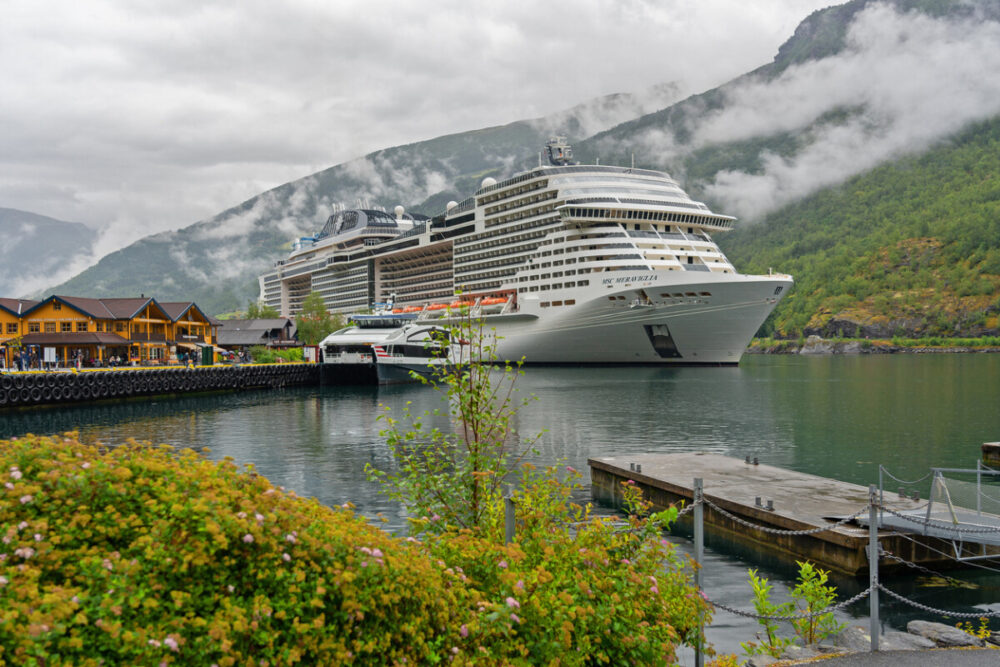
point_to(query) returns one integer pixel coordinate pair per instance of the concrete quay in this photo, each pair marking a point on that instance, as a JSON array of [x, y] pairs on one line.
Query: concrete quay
[[38, 388], [800, 502]]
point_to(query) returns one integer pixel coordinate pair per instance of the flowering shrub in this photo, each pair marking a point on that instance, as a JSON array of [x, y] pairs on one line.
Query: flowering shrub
[[145, 555], [574, 589]]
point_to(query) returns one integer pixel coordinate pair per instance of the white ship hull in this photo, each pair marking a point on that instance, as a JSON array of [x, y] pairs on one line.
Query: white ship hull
[[703, 329]]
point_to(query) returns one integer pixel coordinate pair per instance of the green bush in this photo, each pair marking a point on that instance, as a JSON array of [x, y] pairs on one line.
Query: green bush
[[269, 355], [143, 555]]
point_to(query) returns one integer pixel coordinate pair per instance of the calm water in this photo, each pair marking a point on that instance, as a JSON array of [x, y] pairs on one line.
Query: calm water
[[836, 416]]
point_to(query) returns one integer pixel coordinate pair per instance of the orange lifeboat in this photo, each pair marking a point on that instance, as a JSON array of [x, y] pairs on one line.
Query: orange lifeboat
[[412, 309], [494, 300], [396, 311], [437, 306], [460, 304]]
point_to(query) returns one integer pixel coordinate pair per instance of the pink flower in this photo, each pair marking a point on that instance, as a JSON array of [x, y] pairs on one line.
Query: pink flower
[[454, 650], [654, 589], [570, 469], [9, 486], [377, 553], [241, 515], [38, 537], [259, 517], [290, 538], [502, 565], [519, 586], [171, 643], [464, 630], [286, 557], [24, 552], [26, 499], [248, 538], [154, 642], [15, 474], [85, 465], [366, 551], [106, 564], [3, 582], [513, 604], [514, 618], [22, 525]]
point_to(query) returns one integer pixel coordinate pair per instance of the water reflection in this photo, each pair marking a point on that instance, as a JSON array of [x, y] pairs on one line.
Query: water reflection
[[832, 416]]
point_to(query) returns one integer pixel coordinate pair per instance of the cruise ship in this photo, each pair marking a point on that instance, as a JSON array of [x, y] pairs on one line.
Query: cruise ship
[[568, 263]]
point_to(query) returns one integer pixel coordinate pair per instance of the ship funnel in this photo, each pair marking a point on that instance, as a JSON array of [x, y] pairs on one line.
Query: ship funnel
[[559, 152]]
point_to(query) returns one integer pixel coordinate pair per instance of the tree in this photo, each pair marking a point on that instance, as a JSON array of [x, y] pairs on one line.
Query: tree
[[257, 311], [553, 594], [314, 322]]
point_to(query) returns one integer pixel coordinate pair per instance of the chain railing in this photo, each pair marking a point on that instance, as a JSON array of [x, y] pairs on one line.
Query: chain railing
[[872, 508]]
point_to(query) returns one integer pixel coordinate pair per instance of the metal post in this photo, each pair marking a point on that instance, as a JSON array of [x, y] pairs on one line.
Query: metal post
[[699, 557], [979, 488], [508, 517], [873, 564]]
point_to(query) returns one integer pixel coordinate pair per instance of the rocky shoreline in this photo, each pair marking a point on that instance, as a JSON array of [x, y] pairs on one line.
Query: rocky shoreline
[[816, 345], [919, 636]]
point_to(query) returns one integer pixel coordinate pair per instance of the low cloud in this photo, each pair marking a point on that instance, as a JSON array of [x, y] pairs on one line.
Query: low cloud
[[907, 80]]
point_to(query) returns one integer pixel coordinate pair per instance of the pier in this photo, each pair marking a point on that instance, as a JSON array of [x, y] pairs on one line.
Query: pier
[[746, 500], [37, 388]]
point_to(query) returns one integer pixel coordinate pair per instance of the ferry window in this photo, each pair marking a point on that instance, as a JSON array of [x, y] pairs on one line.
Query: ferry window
[[706, 294], [557, 303], [521, 290], [620, 298], [570, 302], [777, 290], [582, 283], [690, 294], [690, 230], [690, 259], [544, 304], [636, 226], [534, 288]]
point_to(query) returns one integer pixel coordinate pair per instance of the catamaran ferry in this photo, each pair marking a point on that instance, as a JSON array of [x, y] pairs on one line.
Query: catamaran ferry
[[568, 263]]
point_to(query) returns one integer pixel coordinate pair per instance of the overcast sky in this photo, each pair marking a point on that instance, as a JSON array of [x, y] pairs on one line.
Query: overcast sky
[[148, 115]]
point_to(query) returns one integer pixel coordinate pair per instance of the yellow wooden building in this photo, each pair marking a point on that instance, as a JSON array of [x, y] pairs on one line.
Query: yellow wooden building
[[62, 329]]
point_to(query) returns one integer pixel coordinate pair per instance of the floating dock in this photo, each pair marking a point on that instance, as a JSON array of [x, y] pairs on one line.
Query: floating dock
[[800, 502]]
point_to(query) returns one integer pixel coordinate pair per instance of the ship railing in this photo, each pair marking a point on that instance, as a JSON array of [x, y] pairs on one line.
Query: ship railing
[[696, 267]]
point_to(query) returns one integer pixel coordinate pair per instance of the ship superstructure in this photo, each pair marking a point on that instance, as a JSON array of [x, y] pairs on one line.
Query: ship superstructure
[[570, 263]]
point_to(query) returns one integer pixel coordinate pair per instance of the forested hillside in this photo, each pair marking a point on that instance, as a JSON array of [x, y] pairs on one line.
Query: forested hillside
[[910, 248]]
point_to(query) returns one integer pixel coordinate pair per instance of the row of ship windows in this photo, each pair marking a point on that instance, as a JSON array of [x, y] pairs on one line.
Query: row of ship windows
[[500, 244], [517, 203], [465, 243], [567, 302], [428, 267], [554, 286], [496, 191], [658, 216], [527, 213]]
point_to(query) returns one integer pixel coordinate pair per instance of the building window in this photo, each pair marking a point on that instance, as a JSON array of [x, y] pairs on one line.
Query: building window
[[50, 327], [81, 326], [119, 326], [56, 305], [98, 326], [12, 327], [65, 326], [34, 327]]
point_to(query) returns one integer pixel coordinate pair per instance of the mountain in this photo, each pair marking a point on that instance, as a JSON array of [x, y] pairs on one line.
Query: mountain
[[37, 249], [910, 248], [865, 111], [216, 262]]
